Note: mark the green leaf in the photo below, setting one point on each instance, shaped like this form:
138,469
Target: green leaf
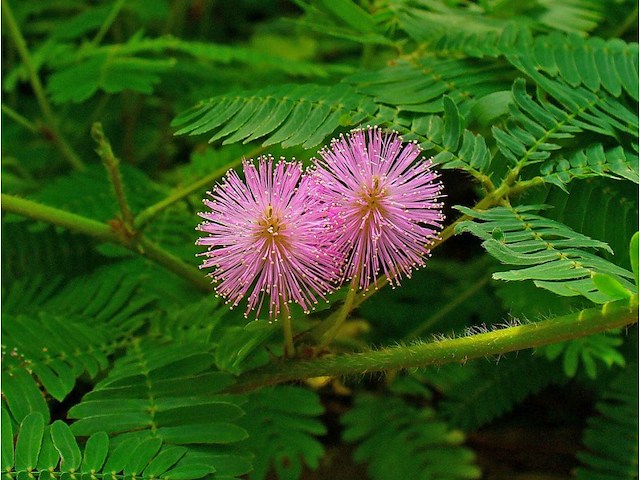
591,162
400,441
22,394
111,74
167,458
7,441
120,456
29,441
633,255
288,114
66,446
282,423
95,452
164,390
48,458
203,433
142,455
611,436
591,351
490,390
186,472
546,251
452,124
351,14
610,286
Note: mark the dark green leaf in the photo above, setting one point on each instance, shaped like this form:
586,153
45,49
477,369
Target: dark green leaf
7,440
95,452
66,445
29,441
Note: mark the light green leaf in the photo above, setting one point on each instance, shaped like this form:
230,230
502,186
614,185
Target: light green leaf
352,14
610,286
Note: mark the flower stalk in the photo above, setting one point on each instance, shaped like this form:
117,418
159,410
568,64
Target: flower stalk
328,331
289,349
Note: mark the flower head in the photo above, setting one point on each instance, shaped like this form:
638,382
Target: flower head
267,237
385,202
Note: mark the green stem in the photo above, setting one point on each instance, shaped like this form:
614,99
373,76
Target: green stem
172,263
289,349
71,221
106,25
532,335
631,19
336,322
38,90
15,116
105,233
112,164
147,214
447,309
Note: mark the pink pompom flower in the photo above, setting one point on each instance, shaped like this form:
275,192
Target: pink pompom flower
385,201
268,238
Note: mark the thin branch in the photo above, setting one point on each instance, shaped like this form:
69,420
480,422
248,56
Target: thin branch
448,308
112,164
16,117
111,233
586,322
38,90
106,25
147,214
336,322
55,216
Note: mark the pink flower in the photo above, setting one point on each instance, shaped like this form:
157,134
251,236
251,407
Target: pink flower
268,238
385,202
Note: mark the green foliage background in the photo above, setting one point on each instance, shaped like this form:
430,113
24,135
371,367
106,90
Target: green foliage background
118,361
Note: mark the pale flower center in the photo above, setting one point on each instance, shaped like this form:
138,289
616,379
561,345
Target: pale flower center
271,224
372,196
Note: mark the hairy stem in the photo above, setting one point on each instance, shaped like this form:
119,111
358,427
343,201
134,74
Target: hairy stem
112,164
106,233
586,322
147,214
38,90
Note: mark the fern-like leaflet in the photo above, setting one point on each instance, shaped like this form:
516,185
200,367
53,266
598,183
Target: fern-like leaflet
547,252
52,451
611,436
282,423
400,441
